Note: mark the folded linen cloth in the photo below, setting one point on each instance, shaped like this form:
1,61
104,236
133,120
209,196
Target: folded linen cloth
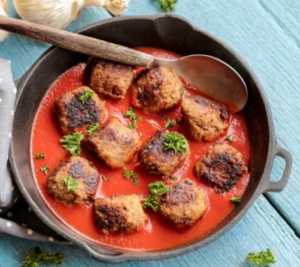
16,218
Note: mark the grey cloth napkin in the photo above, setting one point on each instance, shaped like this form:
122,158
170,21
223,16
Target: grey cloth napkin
16,218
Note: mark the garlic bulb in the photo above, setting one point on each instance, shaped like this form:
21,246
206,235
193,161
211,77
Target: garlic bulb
116,7
54,13
3,12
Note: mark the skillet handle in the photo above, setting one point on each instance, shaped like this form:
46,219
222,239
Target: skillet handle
280,185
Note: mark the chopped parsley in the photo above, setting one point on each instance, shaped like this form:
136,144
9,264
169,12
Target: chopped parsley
72,184
163,117
170,123
236,200
229,139
129,174
104,178
261,259
131,116
156,188
83,98
167,5
40,156
113,114
173,177
179,121
72,143
135,181
175,141
217,143
35,257
45,169
93,128
181,90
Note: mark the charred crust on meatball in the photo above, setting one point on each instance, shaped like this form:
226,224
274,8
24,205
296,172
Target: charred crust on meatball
183,205
222,167
120,214
109,78
158,161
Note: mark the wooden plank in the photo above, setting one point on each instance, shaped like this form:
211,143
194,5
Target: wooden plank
266,34
261,228
23,52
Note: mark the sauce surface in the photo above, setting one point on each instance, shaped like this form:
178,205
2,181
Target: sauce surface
157,235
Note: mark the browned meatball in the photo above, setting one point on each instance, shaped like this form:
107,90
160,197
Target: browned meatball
222,167
158,161
120,214
73,181
74,114
205,118
109,78
157,90
184,204
114,144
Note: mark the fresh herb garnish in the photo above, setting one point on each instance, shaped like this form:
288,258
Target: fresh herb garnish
104,178
72,184
45,169
261,259
93,128
167,5
40,156
229,139
175,141
83,98
163,117
113,114
179,121
181,90
236,200
129,174
173,177
217,143
156,188
72,143
35,257
131,116
170,123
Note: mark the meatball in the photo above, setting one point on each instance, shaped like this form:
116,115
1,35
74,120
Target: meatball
184,204
157,90
114,144
73,114
109,78
205,118
120,214
222,167
158,161
73,181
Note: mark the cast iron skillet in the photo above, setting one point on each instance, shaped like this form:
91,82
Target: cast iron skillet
168,32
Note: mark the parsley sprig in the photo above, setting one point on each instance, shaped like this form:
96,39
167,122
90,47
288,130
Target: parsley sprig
236,200
156,189
83,98
45,169
130,114
35,257
93,128
72,143
175,141
72,184
170,123
40,156
261,259
131,174
167,5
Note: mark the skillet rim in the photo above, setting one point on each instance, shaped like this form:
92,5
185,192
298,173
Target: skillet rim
125,256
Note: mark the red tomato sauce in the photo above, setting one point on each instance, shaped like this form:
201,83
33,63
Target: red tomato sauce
157,235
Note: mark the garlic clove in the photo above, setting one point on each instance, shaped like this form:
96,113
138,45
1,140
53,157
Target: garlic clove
116,7
3,12
54,13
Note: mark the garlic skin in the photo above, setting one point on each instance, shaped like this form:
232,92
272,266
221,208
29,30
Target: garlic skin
3,12
53,13
116,7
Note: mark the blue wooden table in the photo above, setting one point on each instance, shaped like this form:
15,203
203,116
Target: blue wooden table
266,33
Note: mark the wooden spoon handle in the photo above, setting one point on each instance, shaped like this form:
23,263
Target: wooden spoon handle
76,42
